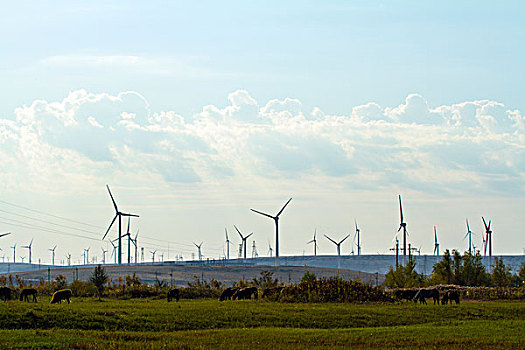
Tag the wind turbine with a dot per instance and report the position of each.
(134, 241)
(29, 247)
(113, 251)
(153, 255)
(14, 253)
(469, 234)
(358, 234)
(104, 256)
(338, 244)
(276, 219)
(403, 226)
(87, 255)
(118, 214)
(314, 241)
(488, 240)
(227, 244)
(243, 239)
(68, 256)
(436, 244)
(53, 255)
(199, 248)
(130, 240)
(270, 249)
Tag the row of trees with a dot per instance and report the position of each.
(463, 270)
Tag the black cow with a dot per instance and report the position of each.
(59, 295)
(173, 293)
(450, 295)
(406, 294)
(228, 293)
(26, 292)
(423, 294)
(246, 293)
(5, 293)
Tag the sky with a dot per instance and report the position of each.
(195, 112)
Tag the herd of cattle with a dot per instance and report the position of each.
(246, 293)
(30, 294)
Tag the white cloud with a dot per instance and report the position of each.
(459, 148)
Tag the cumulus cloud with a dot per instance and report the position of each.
(453, 148)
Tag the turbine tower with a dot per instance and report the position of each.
(469, 234)
(199, 249)
(314, 241)
(243, 240)
(118, 214)
(227, 244)
(338, 244)
(488, 240)
(52, 255)
(29, 247)
(276, 219)
(14, 253)
(403, 226)
(358, 235)
(104, 256)
(436, 244)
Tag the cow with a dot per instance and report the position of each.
(450, 295)
(173, 294)
(228, 293)
(5, 293)
(246, 293)
(62, 294)
(26, 292)
(406, 294)
(271, 291)
(423, 294)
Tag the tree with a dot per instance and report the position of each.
(473, 271)
(442, 271)
(99, 278)
(521, 273)
(404, 276)
(308, 277)
(501, 275)
(266, 280)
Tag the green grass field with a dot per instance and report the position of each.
(87, 323)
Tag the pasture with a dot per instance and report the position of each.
(154, 323)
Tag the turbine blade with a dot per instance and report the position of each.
(490, 221)
(127, 214)
(279, 213)
(400, 208)
(240, 234)
(400, 227)
(112, 199)
(260, 212)
(109, 228)
(310, 241)
(344, 239)
(248, 235)
(484, 223)
(5, 234)
(468, 228)
(127, 232)
(334, 242)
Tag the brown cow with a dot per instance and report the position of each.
(59, 295)
(228, 293)
(246, 293)
(173, 293)
(5, 293)
(26, 292)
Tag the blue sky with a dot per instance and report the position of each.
(205, 109)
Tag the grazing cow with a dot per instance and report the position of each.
(406, 294)
(173, 293)
(59, 295)
(423, 294)
(246, 293)
(26, 292)
(450, 295)
(228, 293)
(5, 293)
(271, 291)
